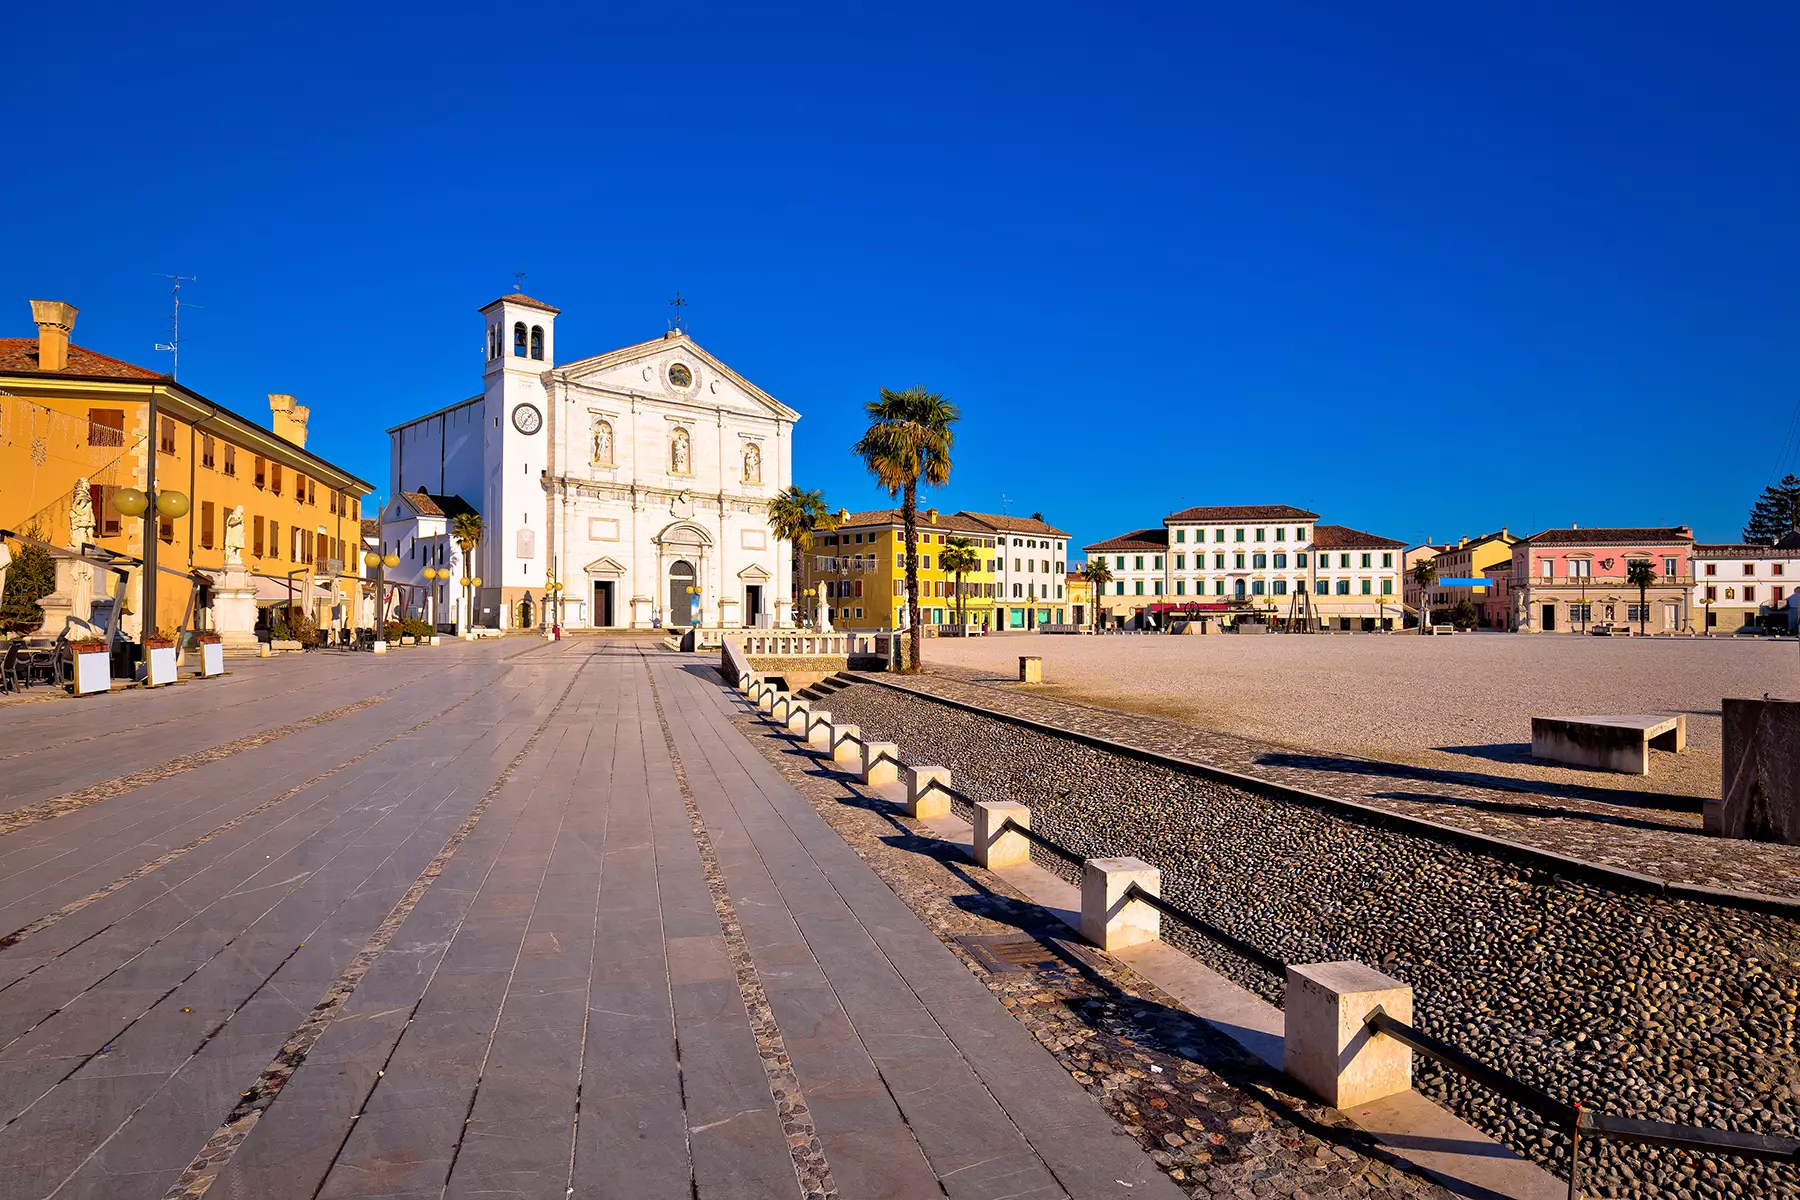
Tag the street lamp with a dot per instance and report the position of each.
(694, 605)
(381, 564)
(432, 574)
(469, 583)
(553, 591)
(130, 502)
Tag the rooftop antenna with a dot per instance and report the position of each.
(677, 304)
(1003, 505)
(173, 345)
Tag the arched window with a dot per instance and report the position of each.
(537, 342)
(519, 339)
(490, 343)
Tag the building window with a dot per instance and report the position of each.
(1119, 588)
(1774, 568)
(1749, 568)
(206, 524)
(1635, 612)
(1138, 561)
(1181, 587)
(165, 529)
(1343, 587)
(1344, 561)
(1239, 559)
(1259, 535)
(1387, 559)
(110, 522)
(1256, 588)
(1671, 568)
(1181, 535)
(1181, 562)
(1581, 568)
(275, 478)
(519, 339)
(1281, 533)
(1366, 585)
(1218, 535)
(1367, 562)
(1259, 560)
(1300, 558)
(1300, 586)
(1237, 535)
(1387, 587)
(1548, 568)
(256, 537)
(1300, 533)
(1280, 584)
(1712, 568)
(1157, 587)
(206, 450)
(106, 427)
(1280, 560)
(537, 342)
(166, 442)
(230, 459)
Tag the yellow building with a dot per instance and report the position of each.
(1473, 558)
(859, 571)
(1081, 600)
(69, 414)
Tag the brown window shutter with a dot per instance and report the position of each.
(257, 538)
(206, 524)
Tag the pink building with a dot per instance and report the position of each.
(1569, 580)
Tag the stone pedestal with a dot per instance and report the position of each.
(1326, 1046)
(69, 608)
(1031, 669)
(846, 744)
(997, 845)
(880, 763)
(926, 798)
(234, 613)
(1761, 777)
(1108, 918)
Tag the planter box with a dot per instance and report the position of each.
(212, 659)
(435, 640)
(407, 639)
(159, 666)
(284, 645)
(93, 673)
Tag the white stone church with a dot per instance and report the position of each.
(639, 479)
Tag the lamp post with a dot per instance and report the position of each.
(469, 584)
(431, 575)
(150, 504)
(553, 592)
(810, 594)
(382, 563)
(694, 605)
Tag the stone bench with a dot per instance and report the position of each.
(1621, 744)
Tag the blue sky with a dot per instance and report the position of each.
(1424, 268)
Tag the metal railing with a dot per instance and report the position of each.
(1578, 1121)
(1573, 1119)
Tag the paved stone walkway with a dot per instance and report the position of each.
(493, 919)
(1644, 832)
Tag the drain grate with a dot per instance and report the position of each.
(1011, 953)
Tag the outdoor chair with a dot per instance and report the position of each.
(9, 669)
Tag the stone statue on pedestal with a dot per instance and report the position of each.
(81, 514)
(234, 537)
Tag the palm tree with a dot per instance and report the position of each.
(467, 531)
(1424, 573)
(1098, 574)
(959, 558)
(1640, 573)
(909, 440)
(795, 515)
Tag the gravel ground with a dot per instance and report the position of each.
(1634, 1005)
(1461, 702)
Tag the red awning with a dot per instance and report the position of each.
(1193, 606)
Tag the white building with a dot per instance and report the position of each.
(1270, 557)
(629, 478)
(1030, 571)
(418, 527)
(1735, 586)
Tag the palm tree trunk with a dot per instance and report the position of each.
(1643, 607)
(909, 516)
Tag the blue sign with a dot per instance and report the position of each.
(1476, 581)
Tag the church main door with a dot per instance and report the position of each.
(681, 604)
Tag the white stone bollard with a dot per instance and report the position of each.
(880, 763)
(1108, 919)
(997, 846)
(926, 797)
(818, 730)
(1031, 669)
(766, 701)
(797, 714)
(846, 744)
(1328, 1049)
(778, 711)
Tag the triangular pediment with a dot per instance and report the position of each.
(604, 565)
(754, 574)
(644, 369)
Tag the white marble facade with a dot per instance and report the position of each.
(629, 477)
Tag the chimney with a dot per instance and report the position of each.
(289, 418)
(55, 321)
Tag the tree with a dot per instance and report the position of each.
(466, 531)
(1463, 615)
(31, 577)
(1424, 573)
(1640, 574)
(1776, 513)
(959, 558)
(1098, 574)
(908, 440)
(795, 516)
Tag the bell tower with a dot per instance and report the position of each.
(519, 336)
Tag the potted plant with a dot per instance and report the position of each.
(212, 654)
(93, 666)
(159, 658)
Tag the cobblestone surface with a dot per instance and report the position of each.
(1218, 1120)
(1647, 832)
(1638, 1005)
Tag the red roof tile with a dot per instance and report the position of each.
(519, 298)
(1342, 537)
(1611, 537)
(1002, 524)
(1137, 539)
(19, 356)
(1242, 512)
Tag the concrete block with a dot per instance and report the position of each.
(1619, 744)
(1327, 1048)
(880, 763)
(1761, 777)
(926, 799)
(1108, 919)
(765, 700)
(846, 745)
(818, 730)
(997, 845)
(1031, 669)
(378, 647)
(798, 712)
(778, 711)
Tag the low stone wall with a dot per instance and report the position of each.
(1618, 1000)
(801, 671)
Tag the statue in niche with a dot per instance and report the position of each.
(234, 536)
(81, 514)
(603, 442)
(752, 463)
(679, 452)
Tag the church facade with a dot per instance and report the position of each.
(639, 481)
